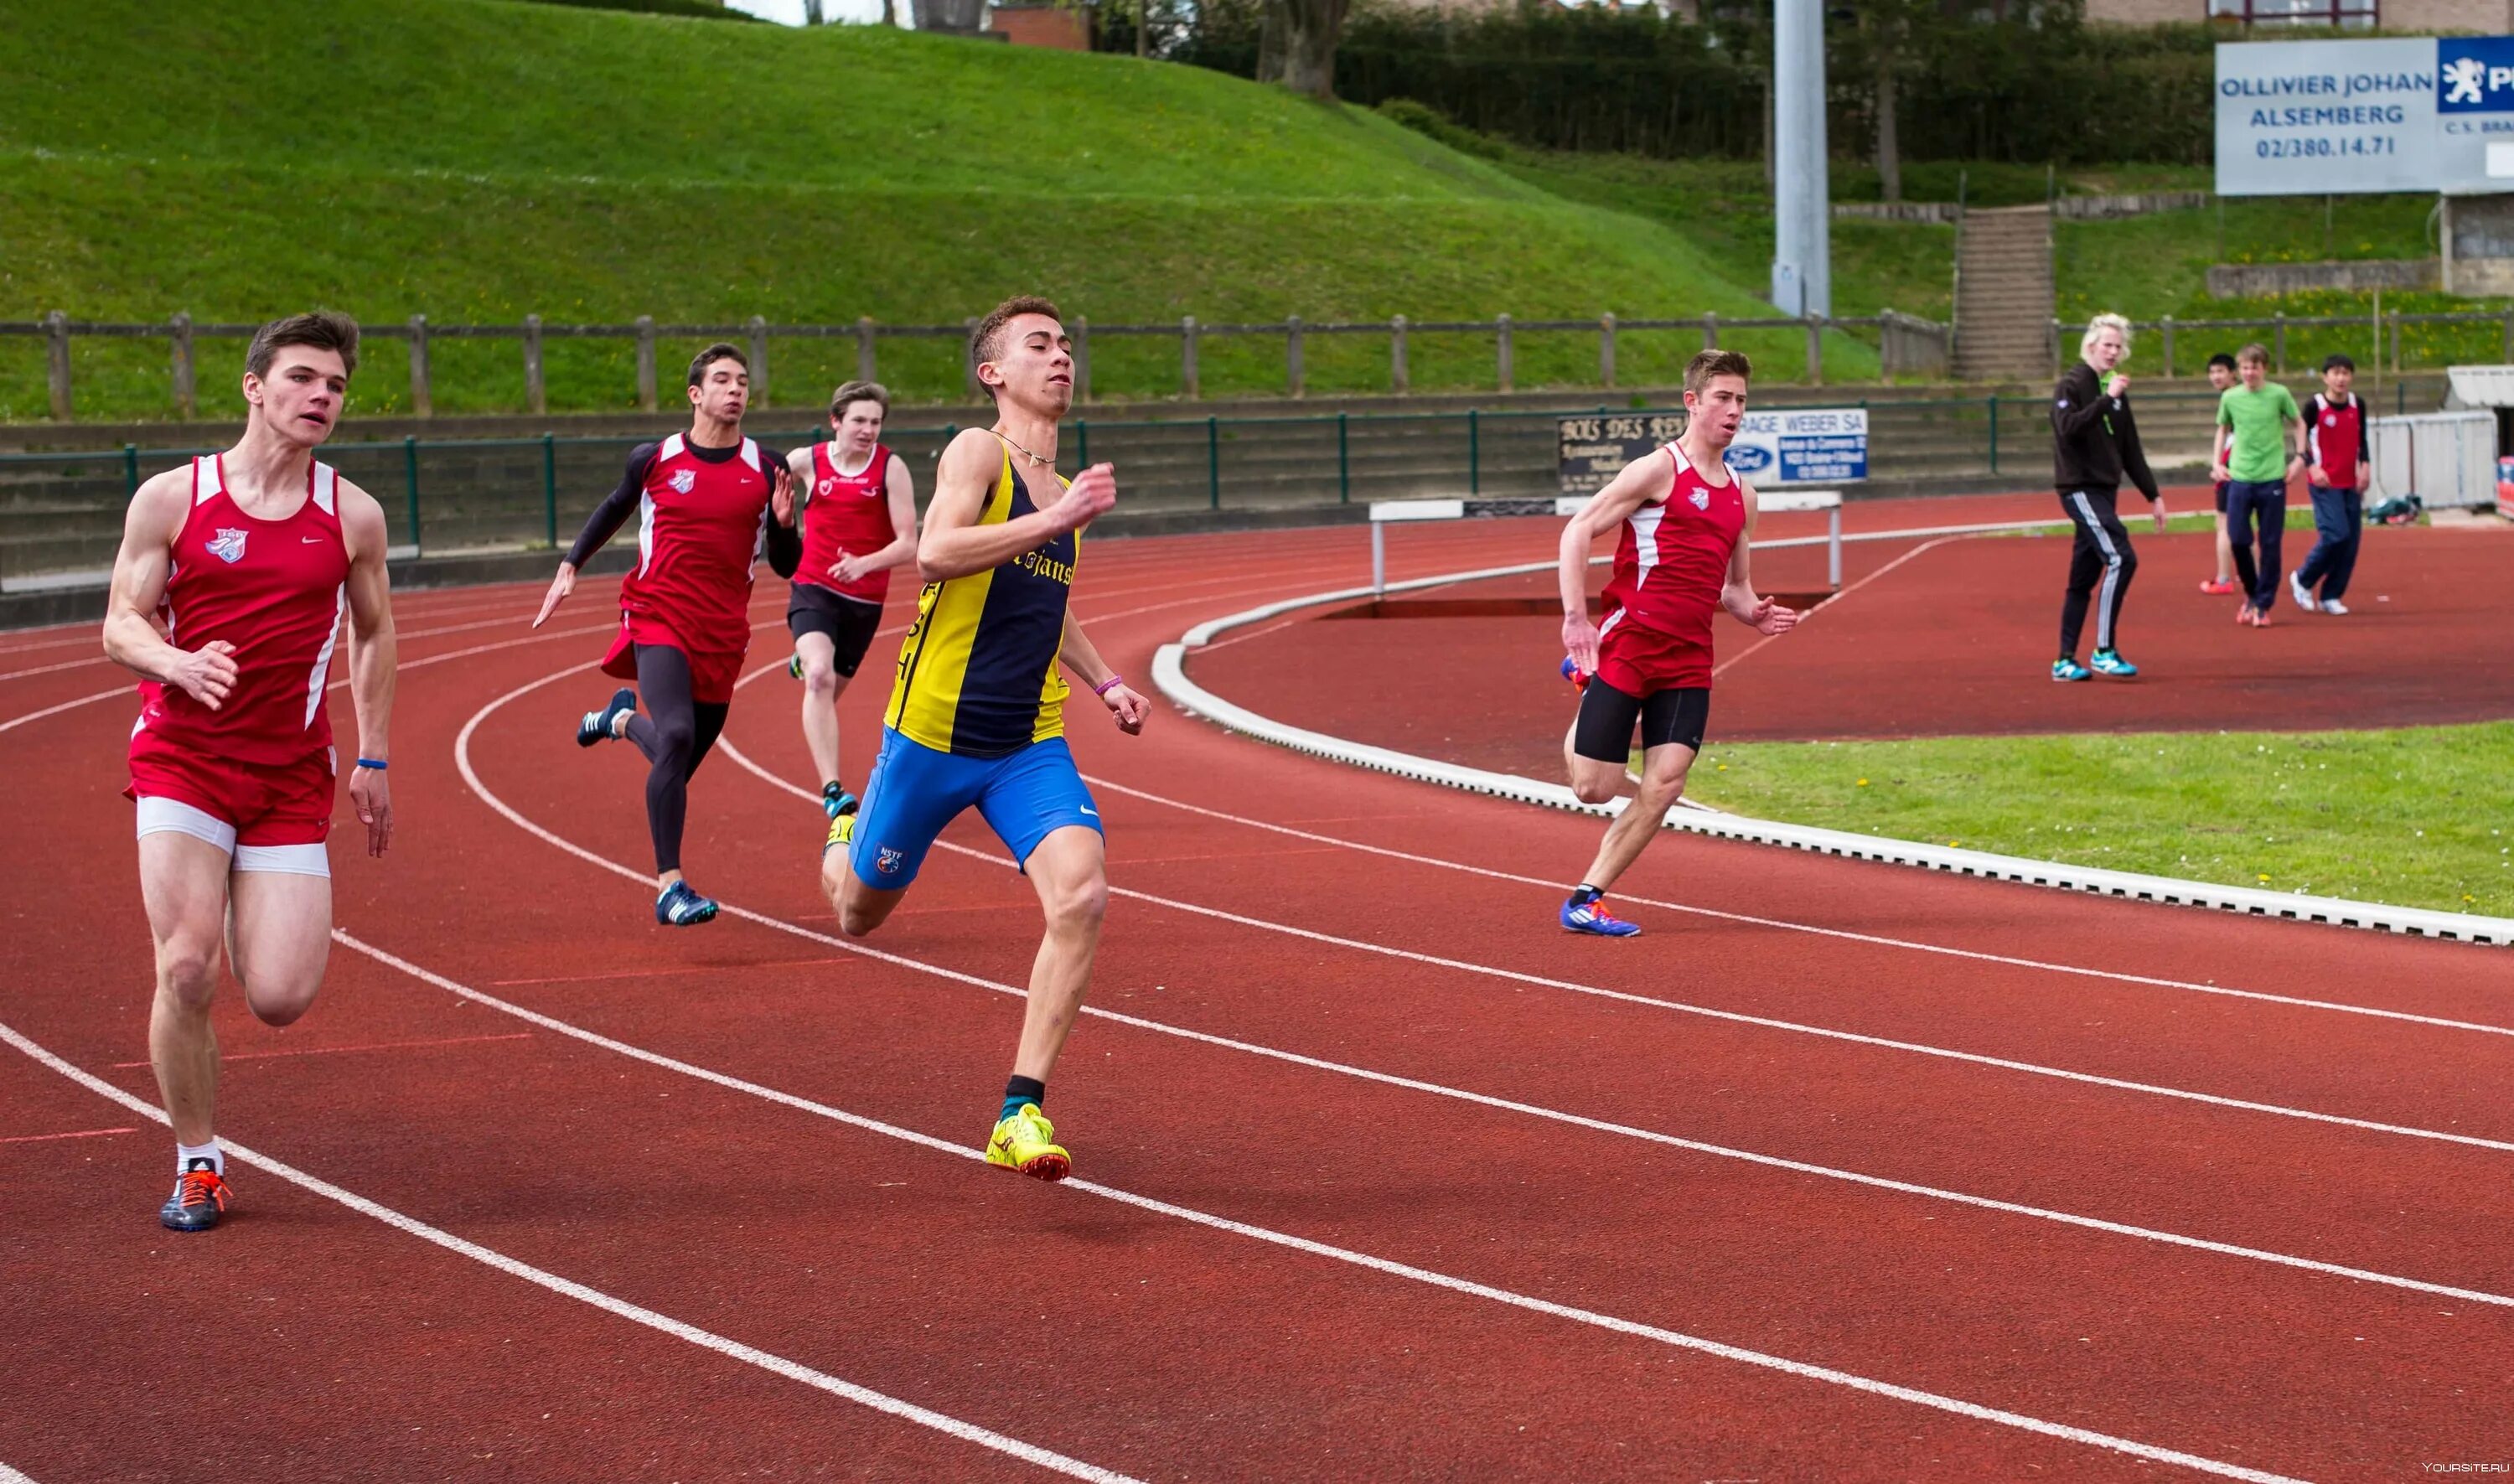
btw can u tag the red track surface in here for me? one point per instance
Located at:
(1288, 938)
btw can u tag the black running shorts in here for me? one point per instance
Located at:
(849, 622)
(1604, 730)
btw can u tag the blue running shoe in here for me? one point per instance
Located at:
(597, 725)
(835, 801)
(1593, 918)
(2110, 663)
(680, 907)
(2066, 668)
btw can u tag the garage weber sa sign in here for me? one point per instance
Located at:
(1798, 445)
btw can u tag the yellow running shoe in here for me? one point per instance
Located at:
(842, 831)
(1026, 1142)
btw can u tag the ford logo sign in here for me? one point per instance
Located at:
(1747, 457)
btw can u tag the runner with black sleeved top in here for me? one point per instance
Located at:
(709, 503)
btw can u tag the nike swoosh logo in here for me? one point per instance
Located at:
(1094, 813)
(312, 540)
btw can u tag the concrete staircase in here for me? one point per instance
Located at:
(2003, 296)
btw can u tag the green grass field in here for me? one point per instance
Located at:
(2413, 816)
(478, 160)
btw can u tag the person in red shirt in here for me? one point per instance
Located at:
(858, 522)
(2335, 452)
(227, 596)
(1684, 526)
(708, 502)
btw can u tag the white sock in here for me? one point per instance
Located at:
(185, 1153)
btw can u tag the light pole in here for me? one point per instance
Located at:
(1802, 197)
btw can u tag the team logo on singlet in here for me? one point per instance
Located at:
(683, 480)
(227, 546)
(1701, 500)
(822, 489)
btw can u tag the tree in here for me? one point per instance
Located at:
(1297, 46)
(1891, 33)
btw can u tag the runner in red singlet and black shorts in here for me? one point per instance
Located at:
(227, 596)
(858, 522)
(1686, 526)
(708, 504)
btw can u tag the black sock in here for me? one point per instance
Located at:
(1020, 1089)
(1585, 894)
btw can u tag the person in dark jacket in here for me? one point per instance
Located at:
(2094, 443)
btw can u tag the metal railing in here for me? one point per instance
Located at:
(1909, 346)
(62, 512)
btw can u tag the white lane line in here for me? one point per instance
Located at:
(9, 1475)
(1389, 1266)
(50, 669)
(1621, 1130)
(1843, 934)
(634, 1313)
(1682, 1007)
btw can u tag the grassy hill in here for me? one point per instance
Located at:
(477, 160)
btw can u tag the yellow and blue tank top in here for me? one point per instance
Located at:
(976, 672)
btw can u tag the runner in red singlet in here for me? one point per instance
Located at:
(227, 596)
(1685, 527)
(858, 522)
(708, 502)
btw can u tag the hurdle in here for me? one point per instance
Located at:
(1387, 512)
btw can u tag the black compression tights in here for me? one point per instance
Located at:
(674, 732)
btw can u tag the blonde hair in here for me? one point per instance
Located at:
(2097, 326)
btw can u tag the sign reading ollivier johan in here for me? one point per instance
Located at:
(2343, 117)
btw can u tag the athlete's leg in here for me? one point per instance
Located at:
(2121, 565)
(822, 684)
(279, 936)
(666, 731)
(1070, 872)
(184, 885)
(1596, 751)
(1663, 771)
(915, 793)
(2225, 547)
(2086, 564)
(2343, 564)
(2238, 539)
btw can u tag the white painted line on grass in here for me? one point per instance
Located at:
(706, 1339)
(1169, 674)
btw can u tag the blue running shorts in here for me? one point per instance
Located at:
(915, 791)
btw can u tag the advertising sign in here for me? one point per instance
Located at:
(1796, 445)
(1802, 445)
(2305, 118)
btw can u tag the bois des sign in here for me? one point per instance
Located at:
(1796, 445)
(2310, 117)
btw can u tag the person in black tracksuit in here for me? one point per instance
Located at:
(2094, 442)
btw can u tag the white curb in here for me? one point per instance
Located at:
(1169, 674)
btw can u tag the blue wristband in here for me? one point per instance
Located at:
(376, 764)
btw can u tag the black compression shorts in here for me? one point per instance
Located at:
(849, 622)
(1604, 732)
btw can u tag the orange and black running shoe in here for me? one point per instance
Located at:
(200, 1198)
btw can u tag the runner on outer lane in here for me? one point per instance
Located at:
(1683, 525)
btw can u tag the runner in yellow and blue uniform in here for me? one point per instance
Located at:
(977, 712)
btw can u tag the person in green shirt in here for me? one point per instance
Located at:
(2256, 456)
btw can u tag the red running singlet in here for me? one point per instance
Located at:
(700, 529)
(273, 588)
(1672, 562)
(847, 514)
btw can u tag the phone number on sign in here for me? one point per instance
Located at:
(2323, 147)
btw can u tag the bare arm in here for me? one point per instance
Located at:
(1737, 595)
(899, 487)
(1652, 476)
(1082, 658)
(953, 545)
(2217, 449)
(140, 570)
(372, 660)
